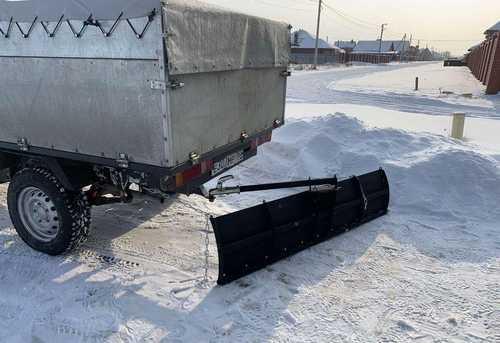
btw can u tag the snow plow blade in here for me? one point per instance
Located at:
(254, 238)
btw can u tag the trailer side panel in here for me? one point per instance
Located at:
(221, 105)
(99, 107)
(89, 95)
(233, 70)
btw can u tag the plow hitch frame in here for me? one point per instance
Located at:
(253, 238)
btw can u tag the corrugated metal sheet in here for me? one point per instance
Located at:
(204, 38)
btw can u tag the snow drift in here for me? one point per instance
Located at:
(428, 270)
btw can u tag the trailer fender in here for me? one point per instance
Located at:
(53, 165)
(6, 163)
(49, 163)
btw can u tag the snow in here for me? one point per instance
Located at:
(456, 85)
(482, 132)
(429, 271)
(392, 87)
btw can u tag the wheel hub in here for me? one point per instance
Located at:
(38, 214)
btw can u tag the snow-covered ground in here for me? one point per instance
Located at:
(427, 272)
(442, 91)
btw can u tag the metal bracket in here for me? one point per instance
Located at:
(27, 34)
(160, 85)
(244, 136)
(222, 180)
(364, 198)
(23, 144)
(6, 34)
(221, 190)
(122, 161)
(174, 84)
(286, 73)
(194, 157)
(53, 33)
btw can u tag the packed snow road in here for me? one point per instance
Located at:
(442, 91)
(427, 272)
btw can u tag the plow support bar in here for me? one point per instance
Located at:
(254, 238)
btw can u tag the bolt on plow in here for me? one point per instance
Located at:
(254, 238)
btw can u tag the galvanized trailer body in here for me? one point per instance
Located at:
(155, 84)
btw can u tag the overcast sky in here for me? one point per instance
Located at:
(452, 25)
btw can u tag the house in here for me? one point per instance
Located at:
(387, 47)
(304, 40)
(303, 50)
(492, 30)
(375, 52)
(347, 46)
(425, 55)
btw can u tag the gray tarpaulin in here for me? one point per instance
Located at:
(204, 38)
(51, 10)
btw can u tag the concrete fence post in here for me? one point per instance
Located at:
(458, 125)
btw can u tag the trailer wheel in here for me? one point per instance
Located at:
(49, 218)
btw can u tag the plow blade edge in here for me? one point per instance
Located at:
(256, 237)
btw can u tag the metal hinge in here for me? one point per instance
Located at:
(160, 85)
(23, 144)
(122, 161)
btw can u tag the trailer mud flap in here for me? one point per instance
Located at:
(256, 237)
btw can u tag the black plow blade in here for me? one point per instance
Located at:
(254, 238)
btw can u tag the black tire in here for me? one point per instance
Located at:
(72, 211)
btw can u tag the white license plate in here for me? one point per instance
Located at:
(227, 162)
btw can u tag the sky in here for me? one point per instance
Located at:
(446, 25)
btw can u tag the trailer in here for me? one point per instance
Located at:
(101, 99)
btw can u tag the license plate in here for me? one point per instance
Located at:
(227, 162)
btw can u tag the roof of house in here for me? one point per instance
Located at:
(388, 46)
(494, 28)
(346, 44)
(306, 41)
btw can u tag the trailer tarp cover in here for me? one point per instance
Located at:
(51, 10)
(205, 38)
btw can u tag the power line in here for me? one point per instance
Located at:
(360, 24)
(351, 18)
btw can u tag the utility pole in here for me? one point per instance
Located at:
(317, 35)
(382, 28)
(410, 51)
(403, 50)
